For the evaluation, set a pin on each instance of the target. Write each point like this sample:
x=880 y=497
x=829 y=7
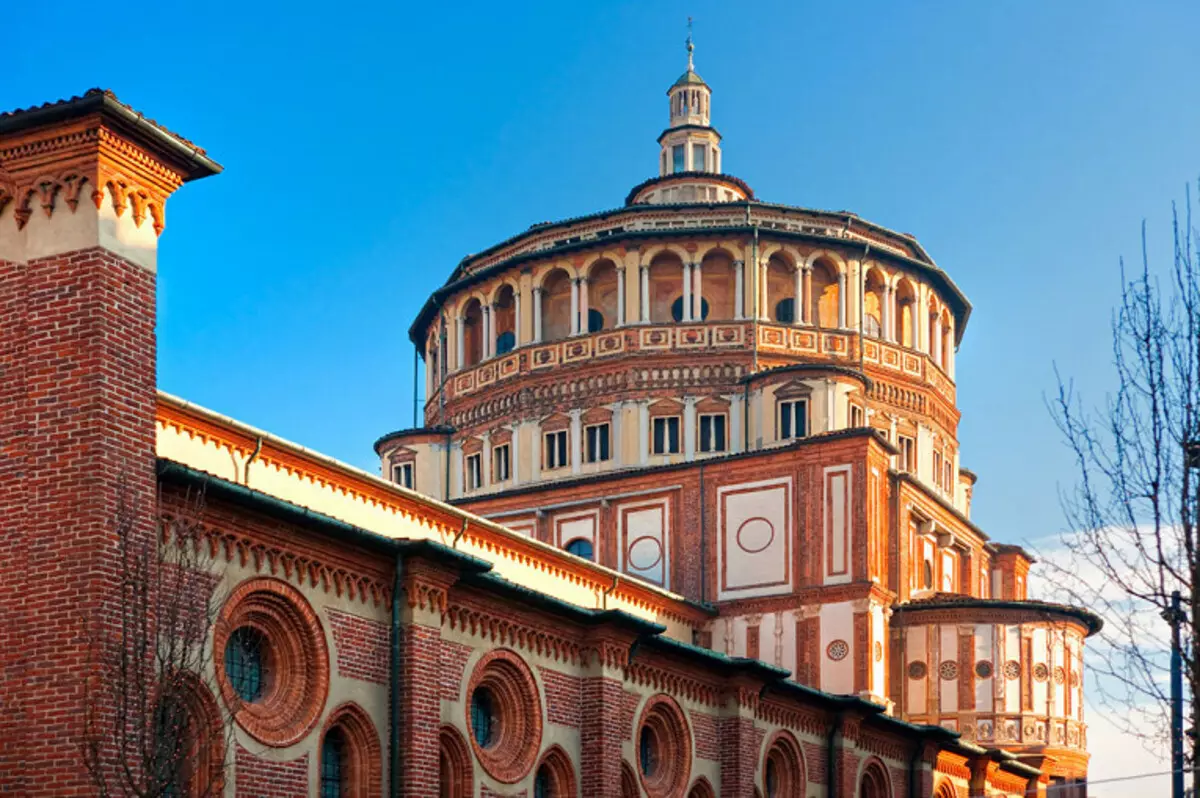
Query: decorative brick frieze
x=362 y=646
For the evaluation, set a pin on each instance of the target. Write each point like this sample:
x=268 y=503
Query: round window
x=917 y=670
x=677 y=310
x=785 y=311
x=246 y=656
x=648 y=752
x=581 y=547
x=484 y=722
x=927 y=575
x=664 y=748
x=983 y=669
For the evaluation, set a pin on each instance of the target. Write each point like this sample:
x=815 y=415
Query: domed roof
x=687 y=78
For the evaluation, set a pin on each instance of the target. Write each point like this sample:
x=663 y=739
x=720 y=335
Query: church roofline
x=712 y=177
x=460 y=278
x=954 y=601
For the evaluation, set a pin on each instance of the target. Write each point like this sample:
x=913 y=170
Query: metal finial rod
x=690 y=46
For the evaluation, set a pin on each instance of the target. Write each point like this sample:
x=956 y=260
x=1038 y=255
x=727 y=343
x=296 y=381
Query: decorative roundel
x=755 y=535
x=917 y=669
x=1060 y=675
x=878 y=651
x=271 y=661
x=1012 y=669
x=948 y=670
x=504 y=715
x=838 y=650
x=983 y=669
x=1041 y=672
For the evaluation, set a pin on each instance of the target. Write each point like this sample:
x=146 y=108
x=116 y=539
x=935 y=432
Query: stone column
x=806 y=300
x=842 y=301
x=460 y=327
x=739 y=310
x=643 y=432
x=689 y=428
x=686 y=314
x=535 y=451
x=517 y=339
x=514 y=455
x=456 y=470
x=616 y=449
x=697 y=293
x=576 y=441
x=737 y=430
x=537 y=315
x=885 y=314
x=575 y=306
x=485 y=461
x=583 y=306
x=621 y=297
x=798 y=294
x=488 y=343
x=645 y=303
x=935 y=346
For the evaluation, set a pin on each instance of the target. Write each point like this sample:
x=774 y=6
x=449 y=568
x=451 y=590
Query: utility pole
x=1175 y=617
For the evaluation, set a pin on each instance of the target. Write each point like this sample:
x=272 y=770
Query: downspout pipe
x=394 y=770
x=249 y=461
x=913 y=790
x=831 y=758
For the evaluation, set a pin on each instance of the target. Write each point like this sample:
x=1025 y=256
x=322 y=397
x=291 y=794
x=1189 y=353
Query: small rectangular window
x=793 y=419
x=908 y=453
x=500 y=463
x=677 y=158
x=474 y=471
x=555 y=455
x=402 y=474
x=698 y=164
x=712 y=432
x=666 y=435
x=597 y=443
x=937 y=469
x=857 y=416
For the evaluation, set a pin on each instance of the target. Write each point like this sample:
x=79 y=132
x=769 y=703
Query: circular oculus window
x=664 y=748
x=504 y=715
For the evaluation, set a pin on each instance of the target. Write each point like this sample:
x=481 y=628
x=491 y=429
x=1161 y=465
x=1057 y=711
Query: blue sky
x=367 y=151
x=369 y=147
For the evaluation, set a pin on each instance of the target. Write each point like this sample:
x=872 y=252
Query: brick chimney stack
x=83 y=191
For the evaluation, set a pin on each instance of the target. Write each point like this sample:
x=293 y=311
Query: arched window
x=702 y=789
x=785 y=311
x=472 y=333
x=825 y=296
x=581 y=547
x=875 y=783
x=780 y=287
x=189 y=726
x=718 y=281
x=602 y=285
x=595 y=320
x=783 y=768
x=556 y=306
x=332 y=754
x=666 y=284
x=873 y=298
x=629 y=786
x=555 y=777
x=677 y=309
x=504 y=320
x=906 y=298
x=455 y=773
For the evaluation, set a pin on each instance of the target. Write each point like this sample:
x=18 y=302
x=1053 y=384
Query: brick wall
x=454 y=658
x=264 y=778
x=706 y=735
x=77 y=399
x=605 y=726
x=564 y=697
x=362 y=645
x=421 y=708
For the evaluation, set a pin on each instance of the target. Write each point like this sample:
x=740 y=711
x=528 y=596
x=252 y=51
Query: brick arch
x=556 y=766
x=702 y=789
x=297 y=661
x=455 y=773
x=629 y=782
x=873 y=780
x=364 y=778
x=945 y=789
x=784 y=761
x=203 y=729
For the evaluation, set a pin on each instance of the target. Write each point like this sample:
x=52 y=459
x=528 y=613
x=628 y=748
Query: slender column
x=460 y=327
x=739 y=310
x=806 y=300
x=456 y=470
x=687 y=292
x=764 y=294
x=689 y=428
x=645 y=303
x=935 y=346
x=583 y=306
x=841 y=300
x=485 y=461
x=537 y=315
x=885 y=313
x=575 y=306
x=535 y=451
x=737 y=436
x=576 y=441
x=514 y=455
x=621 y=297
x=487 y=332
x=697 y=293
x=643 y=432
x=798 y=294
x=616 y=449
x=517 y=319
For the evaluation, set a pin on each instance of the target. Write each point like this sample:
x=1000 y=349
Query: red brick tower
x=83 y=185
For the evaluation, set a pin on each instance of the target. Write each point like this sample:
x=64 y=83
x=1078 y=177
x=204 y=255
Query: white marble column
x=806 y=298
x=739 y=310
x=689 y=428
x=645 y=294
x=935 y=346
x=517 y=341
x=842 y=301
x=537 y=315
x=885 y=313
x=488 y=343
x=460 y=328
x=576 y=442
x=686 y=314
x=621 y=297
x=583 y=306
x=798 y=296
x=697 y=293
x=575 y=306
x=643 y=432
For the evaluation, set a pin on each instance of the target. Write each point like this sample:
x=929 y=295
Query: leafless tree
x=1132 y=514
x=152 y=728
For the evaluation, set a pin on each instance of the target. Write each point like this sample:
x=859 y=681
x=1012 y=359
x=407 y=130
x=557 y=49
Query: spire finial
x=690 y=46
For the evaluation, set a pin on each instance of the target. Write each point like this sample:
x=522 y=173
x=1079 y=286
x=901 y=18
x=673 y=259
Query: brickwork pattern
x=420 y=709
x=607 y=722
x=454 y=658
x=362 y=646
x=707 y=736
x=264 y=778
x=740 y=744
x=564 y=697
